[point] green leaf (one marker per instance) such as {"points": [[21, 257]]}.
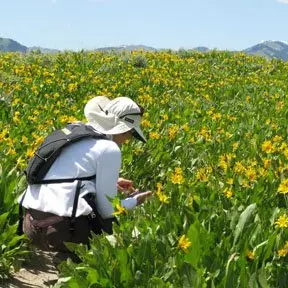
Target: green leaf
{"points": [[269, 247], [262, 278], [3, 221], [244, 219], [194, 250], [122, 257], [253, 281]]}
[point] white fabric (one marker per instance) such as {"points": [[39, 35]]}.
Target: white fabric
{"points": [[105, 115], [84, 158]]}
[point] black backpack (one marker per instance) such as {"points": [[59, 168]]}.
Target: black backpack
{"points": [[46, 155], [51, 148]]}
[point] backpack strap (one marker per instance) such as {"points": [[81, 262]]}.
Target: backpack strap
{"points": [[75, 204], [52, 181], [21, 216]]}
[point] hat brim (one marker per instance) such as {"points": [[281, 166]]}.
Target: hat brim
{"points": [[138, 134]]}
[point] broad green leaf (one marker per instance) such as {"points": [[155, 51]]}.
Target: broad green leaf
{"points": [[3, 221], [244, 219], [194, 251], [124, 267]]}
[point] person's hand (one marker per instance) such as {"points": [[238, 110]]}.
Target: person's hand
{"points": [[142, 196], [125, 186]]}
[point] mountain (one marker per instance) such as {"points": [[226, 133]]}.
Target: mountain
{"points": [[269, 49], [11, 46], [43, 50], [201, 49], [126, 48]]}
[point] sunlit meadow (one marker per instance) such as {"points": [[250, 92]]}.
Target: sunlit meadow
{"points": [[216, 161]]}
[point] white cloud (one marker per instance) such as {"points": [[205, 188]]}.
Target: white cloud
{"points": [[283, 1]]}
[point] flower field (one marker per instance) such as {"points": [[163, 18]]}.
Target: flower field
{"points": [[216, 160]]}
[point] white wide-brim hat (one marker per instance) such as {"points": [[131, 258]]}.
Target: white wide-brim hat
{"points": [[115, 116]]}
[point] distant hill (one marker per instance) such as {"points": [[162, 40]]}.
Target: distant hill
{"points": [[202, 49], [269, 49], [9, 45], [43, 50], [127, 48]]}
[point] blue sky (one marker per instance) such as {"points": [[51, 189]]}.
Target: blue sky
{"points": [[88, 24]]}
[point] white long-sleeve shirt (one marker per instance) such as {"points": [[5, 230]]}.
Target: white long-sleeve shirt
{"points": [[100, 157]]}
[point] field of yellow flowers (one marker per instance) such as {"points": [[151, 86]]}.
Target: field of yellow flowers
{"points": [[216, 161]]}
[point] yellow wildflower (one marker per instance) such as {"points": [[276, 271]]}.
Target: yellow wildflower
{"points": [[24, 140], [159, 186], [30, 152], [201, 175], [239, 167], [277, 138], [172, 131], [268, 147], [146, 123], [282, 252], [251, 174], [178, 170], [11, 151], [251, 255], [3, 134], [184, 243], [162, 197], [228, 135], [228, 193], [235, 146], [262, 172], [165, 116], [154, 135], [216, 116], [119, 210], [283, 187], [177, 178], [223, 163], [185, 127], [286, 153], [282, 221], [192, 140], [230, 181], [16, 118], [267, 163]]}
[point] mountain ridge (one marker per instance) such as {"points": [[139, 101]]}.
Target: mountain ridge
{"points": [[268, 49]]}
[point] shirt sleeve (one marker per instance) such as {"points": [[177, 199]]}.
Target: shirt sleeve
{"points": [[107, 174]]}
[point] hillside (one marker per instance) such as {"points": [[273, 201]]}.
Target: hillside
{"points": [[267, 49], [11, 46], [215, 159]]}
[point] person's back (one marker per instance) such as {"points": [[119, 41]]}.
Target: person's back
{"points": [[68, 211], [88, 157]]}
